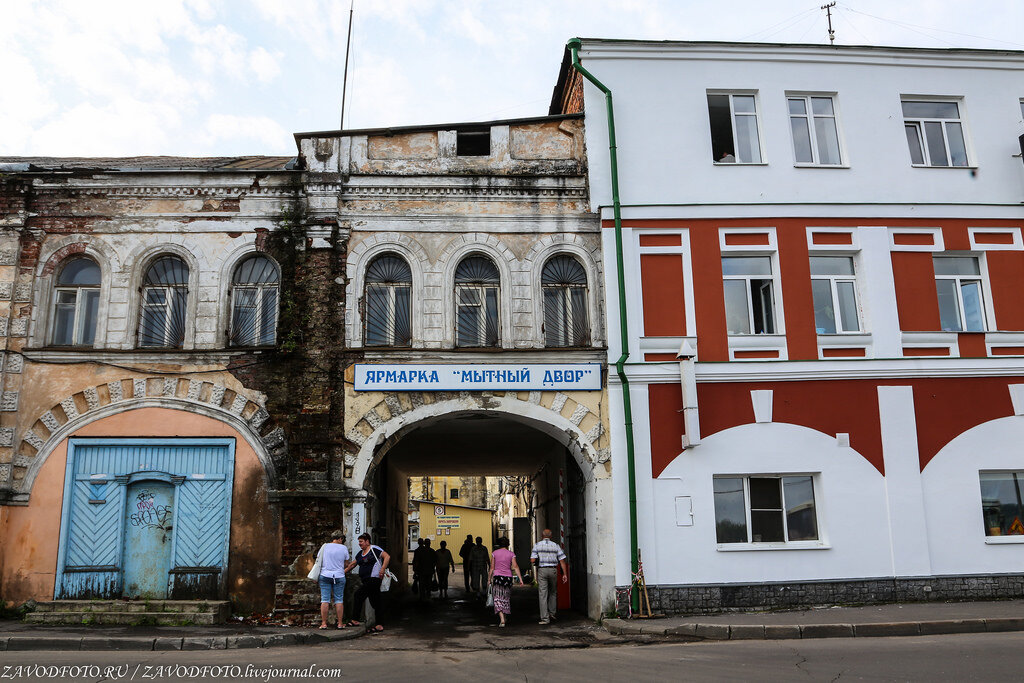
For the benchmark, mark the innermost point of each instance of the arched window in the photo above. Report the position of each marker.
(76, 301)
(254, 288)
(164, 301)
(476, 302)
(564, 282)
(387, 302)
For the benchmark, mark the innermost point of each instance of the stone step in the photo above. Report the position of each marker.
(126, 618)
(218, 608)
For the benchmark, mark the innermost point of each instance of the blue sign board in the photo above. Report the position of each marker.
(479, 377)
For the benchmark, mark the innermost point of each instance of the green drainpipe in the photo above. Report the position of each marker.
(574, 47)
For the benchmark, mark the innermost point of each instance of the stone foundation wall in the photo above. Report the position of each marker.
(707, 599)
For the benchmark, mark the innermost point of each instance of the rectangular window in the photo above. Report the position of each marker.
(765, 509)
(834, 288)
(749, 294)
(961, 303)
(453, 494)
(935, 133)
(734, 129)
(812, 120)
(1001, 503)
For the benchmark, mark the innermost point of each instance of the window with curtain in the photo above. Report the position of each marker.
(254, 295)
(387, 302)
(564, 282)
(476, 302)
(76, 302)
(164, 302)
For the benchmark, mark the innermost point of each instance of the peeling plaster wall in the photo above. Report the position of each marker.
(31, 531)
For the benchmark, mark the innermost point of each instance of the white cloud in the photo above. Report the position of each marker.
(264, 65)
(253, 134)
(124, 127)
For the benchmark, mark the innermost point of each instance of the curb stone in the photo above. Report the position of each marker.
(168, 643)
(152, 643)
(126, 643)
(717, 631)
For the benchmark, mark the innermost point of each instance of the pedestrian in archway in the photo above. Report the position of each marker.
(502, 565)
(464, 552)
(479, 566)
(548, 556)
(444, 561)
(372, 562)
(333, 558)
(425, 570)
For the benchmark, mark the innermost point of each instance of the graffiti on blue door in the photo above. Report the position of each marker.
(147, 541)
(145, 518)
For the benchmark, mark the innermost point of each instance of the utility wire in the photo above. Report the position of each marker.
(784, 21)
(911, 27)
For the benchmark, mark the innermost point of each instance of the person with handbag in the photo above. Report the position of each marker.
(372, 561)
(503, 564)
(444, 561)
(329, 572)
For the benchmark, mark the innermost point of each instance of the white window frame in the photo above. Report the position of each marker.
(834, 281)
(997, 540)
(170, 307)
(78, 323)
(919, 125)
(809, 119)
(981, 278)
(773, 277)
(818, 543)
(732, 122)
(260, 291)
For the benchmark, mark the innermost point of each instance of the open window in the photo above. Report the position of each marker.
(834, 288)
(749, 294)
(935, 133)
(958, 282)
(734, 128)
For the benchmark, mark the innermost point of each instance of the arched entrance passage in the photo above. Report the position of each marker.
(488, 443)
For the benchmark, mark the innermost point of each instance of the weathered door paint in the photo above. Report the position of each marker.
(146, 518)
(149, 525)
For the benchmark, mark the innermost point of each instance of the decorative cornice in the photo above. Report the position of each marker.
(162, 191)
(350, 192)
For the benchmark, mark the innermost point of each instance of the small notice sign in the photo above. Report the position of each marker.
(448, 522)
(1016, 529)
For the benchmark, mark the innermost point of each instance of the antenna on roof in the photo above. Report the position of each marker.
(831, 33)
(344, 78)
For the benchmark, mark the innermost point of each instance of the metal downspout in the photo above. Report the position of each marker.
(574, 46)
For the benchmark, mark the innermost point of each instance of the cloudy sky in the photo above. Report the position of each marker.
(231, 77)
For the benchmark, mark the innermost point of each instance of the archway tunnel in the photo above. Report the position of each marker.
(533, 482)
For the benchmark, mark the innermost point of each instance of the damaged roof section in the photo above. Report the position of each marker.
(136, 164)
(550, 145)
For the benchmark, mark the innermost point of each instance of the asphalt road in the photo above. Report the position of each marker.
(966, 657)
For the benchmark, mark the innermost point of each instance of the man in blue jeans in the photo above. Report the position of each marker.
(334, 556)
(548, 556)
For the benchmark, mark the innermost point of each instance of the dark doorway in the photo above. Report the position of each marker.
(576, 533)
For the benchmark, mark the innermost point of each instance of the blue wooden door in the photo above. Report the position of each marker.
(149, 525)
(146, 518)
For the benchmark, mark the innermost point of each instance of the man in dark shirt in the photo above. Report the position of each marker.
(464, 553)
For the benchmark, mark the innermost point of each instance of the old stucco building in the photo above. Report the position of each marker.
(204, 354)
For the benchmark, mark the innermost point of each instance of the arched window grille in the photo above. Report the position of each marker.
(164, 302)
(564, 282)
(254, 294)
(76, 302)
(388, 299)
(476, 302)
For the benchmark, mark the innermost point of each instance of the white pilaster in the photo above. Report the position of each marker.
(908, 529)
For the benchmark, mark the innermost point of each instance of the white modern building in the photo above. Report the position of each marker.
(820, 327)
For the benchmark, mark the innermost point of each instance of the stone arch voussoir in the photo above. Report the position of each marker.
(215, 400)
(399, 410)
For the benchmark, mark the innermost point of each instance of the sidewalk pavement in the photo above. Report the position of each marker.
(908, 619)
(17, 635)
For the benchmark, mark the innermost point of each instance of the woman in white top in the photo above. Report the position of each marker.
(334, 556)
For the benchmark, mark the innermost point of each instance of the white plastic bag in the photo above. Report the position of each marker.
(490, 598)
(385, 581)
